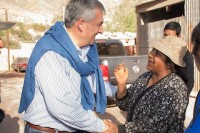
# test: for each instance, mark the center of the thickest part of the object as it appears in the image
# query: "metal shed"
(152, 15)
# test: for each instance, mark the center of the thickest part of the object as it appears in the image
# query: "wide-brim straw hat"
(6, 25)
(173, 47)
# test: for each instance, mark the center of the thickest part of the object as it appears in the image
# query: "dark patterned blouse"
(158, 109)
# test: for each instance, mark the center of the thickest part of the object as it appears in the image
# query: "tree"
(39, 27)
(22, 32)
(123, 19)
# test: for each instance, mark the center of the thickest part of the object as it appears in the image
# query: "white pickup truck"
(111, 53)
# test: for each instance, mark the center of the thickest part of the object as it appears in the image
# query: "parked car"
(20, 64)
(110, 47)
(111, 53)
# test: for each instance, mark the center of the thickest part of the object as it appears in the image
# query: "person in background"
(186, 73)
(157, 100)
(4, 26)
(1, 43)
(63, 73)
(2, 113)
(194, 126)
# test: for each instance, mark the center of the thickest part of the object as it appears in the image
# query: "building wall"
(192, 12)
(150, 28)
(154, 31)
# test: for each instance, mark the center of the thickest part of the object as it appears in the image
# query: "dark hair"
(2, 115)
(170, 63)
(195, 39)
(173, 26)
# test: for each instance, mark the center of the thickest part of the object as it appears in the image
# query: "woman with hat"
(156, 101)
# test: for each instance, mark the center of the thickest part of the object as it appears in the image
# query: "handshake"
(110, 127)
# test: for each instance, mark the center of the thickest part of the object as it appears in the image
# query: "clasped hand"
(112, 127)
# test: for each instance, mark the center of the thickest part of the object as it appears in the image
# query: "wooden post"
(7, 36)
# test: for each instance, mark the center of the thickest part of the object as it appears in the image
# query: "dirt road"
(11, 87)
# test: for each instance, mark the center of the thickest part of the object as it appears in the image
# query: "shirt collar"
(81, 51)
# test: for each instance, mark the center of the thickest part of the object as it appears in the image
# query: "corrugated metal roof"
(6, 25)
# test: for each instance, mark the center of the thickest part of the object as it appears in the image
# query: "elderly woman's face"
(156, 61)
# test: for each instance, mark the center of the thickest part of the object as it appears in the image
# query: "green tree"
(39, 27)
(124, 18)
(14, 44)
(22, 32)
(2, 33)
(57, 18)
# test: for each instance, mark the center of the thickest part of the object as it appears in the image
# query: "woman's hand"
(121, 76)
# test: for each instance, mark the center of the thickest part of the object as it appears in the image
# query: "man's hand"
(112, 127)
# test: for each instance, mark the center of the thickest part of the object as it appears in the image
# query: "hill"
(41, 11)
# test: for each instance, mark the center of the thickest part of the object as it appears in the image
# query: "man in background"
(1, 43)
(3, 26)
(2, 114)
(186, 73)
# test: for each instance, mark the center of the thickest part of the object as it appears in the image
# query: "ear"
(80, 25)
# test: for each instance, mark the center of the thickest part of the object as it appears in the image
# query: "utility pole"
(7, 36)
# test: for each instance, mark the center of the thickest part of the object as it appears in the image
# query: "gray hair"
(85, 9)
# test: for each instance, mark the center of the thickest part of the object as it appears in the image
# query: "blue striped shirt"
(57, 100)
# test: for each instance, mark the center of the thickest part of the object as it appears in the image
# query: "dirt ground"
(10, 92)
(11, 87)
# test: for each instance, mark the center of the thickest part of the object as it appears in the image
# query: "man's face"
(92, 28)
(170, 33)
(1, 44)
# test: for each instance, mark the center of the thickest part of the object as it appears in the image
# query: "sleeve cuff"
(121, 99)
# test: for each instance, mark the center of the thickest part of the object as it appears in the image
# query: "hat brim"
(6, 25)
(157, 45)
